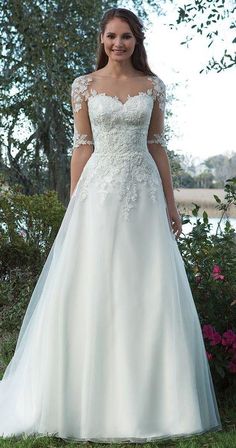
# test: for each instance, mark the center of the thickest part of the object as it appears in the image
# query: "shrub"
(28, 227)
(210, 262)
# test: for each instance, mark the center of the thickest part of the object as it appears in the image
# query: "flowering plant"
(210, 263)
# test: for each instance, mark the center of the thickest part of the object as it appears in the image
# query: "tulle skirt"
(111, 347)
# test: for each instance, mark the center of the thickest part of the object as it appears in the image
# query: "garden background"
(44, 46)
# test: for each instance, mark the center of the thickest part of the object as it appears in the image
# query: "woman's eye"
(124, 37)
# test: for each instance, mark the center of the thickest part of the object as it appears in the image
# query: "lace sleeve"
(82, 127)
(156, 131)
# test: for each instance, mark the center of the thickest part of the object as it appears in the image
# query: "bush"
(210, 262)
(7, 348)
(28, 227)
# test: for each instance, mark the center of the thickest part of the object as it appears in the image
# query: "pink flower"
(216, 268)
(216, 339)
(209, 355)
(216, 273)
(229, 338)
(208, 331)
(211, 334)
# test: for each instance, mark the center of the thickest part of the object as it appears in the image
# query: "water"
(214, 221)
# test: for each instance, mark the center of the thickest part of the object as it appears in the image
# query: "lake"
(214, 221)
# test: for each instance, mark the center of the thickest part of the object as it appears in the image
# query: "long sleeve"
(82, 127)
(156, 131)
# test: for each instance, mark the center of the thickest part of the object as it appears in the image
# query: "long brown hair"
(139, 56)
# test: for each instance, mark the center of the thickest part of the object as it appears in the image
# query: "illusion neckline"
(95, 94)
(117, 79)
(148, 92)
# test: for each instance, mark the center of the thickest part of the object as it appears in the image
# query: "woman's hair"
(139, 56)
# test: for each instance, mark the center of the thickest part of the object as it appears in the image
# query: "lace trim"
(115, 97)
(159, 139)
(80, 91)
(159, 91)
(81, 139)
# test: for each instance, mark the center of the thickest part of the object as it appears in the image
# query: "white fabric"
(111, 347)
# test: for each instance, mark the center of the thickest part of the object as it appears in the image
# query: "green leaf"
(220, 370)
(217, 199)
(205, 217)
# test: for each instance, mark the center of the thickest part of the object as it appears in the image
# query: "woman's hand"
(175, 220)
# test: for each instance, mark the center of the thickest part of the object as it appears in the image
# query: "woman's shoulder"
(85, 78)
(157, 81)
(79, 87)
(158, 90)
(81, 79)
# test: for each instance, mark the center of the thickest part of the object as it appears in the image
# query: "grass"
(218, 439)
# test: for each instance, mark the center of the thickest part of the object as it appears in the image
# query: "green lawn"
(218, 439)
(221, 439)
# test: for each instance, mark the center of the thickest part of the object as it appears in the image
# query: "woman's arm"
(162, 161)
(77, 164)
(157, 147)
(83, 139)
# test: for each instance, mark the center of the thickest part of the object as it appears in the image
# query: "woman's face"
(118, 39)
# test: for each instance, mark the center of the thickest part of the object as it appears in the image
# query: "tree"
(44, 46)
(215, 21)
(222, 167)
(204, 180)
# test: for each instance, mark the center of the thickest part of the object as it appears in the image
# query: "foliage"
(210, 262)
(222, 167)
(206, 18)
(215, 171)
(45, 45)
(28, 227)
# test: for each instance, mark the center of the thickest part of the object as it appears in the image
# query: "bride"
(111, 348)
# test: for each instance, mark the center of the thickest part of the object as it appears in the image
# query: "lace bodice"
(82, 90)
(120, 132)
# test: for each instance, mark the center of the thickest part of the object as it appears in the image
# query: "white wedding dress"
(111, 348)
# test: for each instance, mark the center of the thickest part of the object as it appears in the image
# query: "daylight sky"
(204, 111)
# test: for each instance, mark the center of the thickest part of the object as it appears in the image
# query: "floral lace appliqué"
(122, 176)
(121, 167)
(81, 139)
(79, 91)
(159, 138)
(159, 91)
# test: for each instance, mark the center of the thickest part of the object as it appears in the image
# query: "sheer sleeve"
(156, 131)
(82, 127)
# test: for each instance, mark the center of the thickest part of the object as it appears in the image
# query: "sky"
(203, 121)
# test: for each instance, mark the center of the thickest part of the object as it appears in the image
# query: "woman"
(111, 347)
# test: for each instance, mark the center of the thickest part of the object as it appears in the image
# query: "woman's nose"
(118, 41)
